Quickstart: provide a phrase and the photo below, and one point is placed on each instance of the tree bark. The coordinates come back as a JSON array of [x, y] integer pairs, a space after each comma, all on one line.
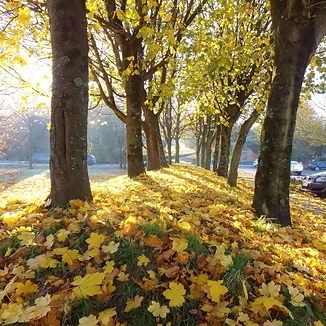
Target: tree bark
[[298, 31], [225, 142], [155, 152], [133, 126], [236, 154], [69, 103]]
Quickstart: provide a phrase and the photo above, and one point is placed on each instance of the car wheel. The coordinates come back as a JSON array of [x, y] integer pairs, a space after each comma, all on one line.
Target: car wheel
[[317, 168]]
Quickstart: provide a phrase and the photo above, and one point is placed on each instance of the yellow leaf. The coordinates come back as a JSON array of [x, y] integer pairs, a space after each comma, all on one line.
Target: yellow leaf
[[109, 267], [111, 248], [142, 260], [270, 290], [88, 285], [40, 309], [49, 241], [216, 289], [175, 294], [274, 322], [95, 240], [91, 320], [268, 302], [318, 323], [105, 317], [27, 287], [46, 262], [133, 303], [70, 256], [131, 58], [13, 313], [26, 238], [158, 311], [179, 244], [62, 235]]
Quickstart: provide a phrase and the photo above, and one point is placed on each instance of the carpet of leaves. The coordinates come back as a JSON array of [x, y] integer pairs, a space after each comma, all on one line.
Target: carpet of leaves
[[172, 247]]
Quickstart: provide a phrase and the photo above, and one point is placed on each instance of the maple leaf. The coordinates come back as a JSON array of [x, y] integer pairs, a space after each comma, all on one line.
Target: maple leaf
[[133, 303], [90, 320], [49, 241], [109, 267], [13, 313], [27, 287], [296, 297], [26, 238], [88, 285], [111, 248], [158, 311], [95, 240], [270, 290], [273, 323], [142, 260], [268, 302], [179, 245], [175, 294], [62, 235], [40, 309], [105, 317], [216, 289]]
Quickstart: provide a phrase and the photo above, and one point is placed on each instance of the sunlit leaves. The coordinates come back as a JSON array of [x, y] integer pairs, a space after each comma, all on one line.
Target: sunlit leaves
[[175, 294], [88, 285], [157, 310], [194, 251]]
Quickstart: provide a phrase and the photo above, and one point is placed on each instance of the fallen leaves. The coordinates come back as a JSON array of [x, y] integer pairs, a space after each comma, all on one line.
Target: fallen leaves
[[172, 245]]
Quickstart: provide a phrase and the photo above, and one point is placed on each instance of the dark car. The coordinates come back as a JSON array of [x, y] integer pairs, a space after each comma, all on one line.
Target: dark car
[[315, 183], [318, 165], [91, 159]]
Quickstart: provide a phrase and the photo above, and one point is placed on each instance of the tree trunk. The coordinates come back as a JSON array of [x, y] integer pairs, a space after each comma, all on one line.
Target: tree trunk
[[216, 155], [177, 150], [155, 152], [225, 142], [69, 104], [133, 126], [236, 154], [296, 38]]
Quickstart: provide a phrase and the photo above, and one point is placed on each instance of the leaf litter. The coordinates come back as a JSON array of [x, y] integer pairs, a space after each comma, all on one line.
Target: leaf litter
[[172, 247]]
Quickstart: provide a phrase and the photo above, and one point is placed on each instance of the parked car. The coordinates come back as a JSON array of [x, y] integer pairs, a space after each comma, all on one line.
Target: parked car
[[315, 183], [296, 167], [318, 165], [91, 159]]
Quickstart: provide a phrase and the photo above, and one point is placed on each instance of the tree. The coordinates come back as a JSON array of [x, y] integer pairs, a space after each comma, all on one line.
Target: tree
[[69, 103], [309, 140], [232, 46], [299, 27], [142, 39]]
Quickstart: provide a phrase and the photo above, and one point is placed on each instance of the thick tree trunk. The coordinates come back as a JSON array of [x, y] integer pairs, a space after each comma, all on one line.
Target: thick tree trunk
[[236, 154], [133, 125], [69, 104], [295, 42]]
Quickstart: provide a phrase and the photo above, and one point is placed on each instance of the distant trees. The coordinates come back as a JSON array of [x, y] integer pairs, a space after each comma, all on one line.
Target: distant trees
[[309, 141]]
